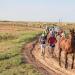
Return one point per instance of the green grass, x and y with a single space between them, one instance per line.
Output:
23 69
10 55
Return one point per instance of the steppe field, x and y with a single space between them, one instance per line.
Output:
14 36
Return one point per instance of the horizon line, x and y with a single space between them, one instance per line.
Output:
35 21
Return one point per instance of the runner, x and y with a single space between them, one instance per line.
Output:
43 44
52 41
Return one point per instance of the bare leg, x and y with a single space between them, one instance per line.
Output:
43 52
60 56
66 64
72 61
52 51
49 50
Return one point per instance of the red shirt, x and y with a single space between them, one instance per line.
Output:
52 40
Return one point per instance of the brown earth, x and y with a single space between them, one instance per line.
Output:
28 57
48 65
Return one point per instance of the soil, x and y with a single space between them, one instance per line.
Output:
48 65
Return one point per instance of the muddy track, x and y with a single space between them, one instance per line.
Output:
28 57
48 66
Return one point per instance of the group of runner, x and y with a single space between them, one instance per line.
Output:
51 40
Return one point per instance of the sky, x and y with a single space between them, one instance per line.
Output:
38 10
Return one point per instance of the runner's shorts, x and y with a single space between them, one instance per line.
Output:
43 46
52 45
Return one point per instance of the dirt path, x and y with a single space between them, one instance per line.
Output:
28 57
48 66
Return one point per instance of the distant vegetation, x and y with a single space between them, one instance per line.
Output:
36 24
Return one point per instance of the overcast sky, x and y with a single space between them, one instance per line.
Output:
37 10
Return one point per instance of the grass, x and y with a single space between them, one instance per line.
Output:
10 53
23 69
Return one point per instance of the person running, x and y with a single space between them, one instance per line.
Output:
43 44
52 41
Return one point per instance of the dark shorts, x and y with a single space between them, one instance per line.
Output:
52 45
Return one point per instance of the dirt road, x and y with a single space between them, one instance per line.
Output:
48 66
